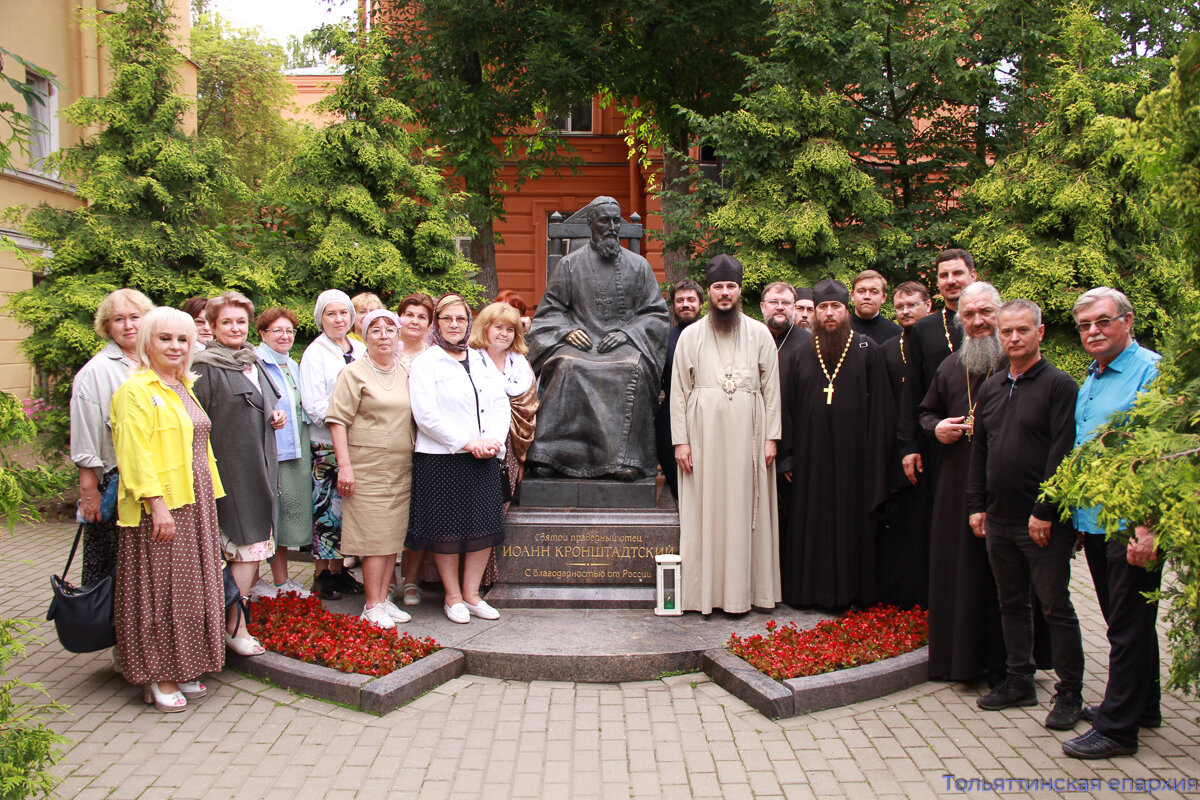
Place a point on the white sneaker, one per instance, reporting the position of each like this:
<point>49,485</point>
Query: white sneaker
<point>262,589</point>
<point>377,615</point>
<point>397,614</point>
<point>291,587</point>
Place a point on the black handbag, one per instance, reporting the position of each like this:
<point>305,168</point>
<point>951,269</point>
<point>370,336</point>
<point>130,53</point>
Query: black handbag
<point>83,615</point>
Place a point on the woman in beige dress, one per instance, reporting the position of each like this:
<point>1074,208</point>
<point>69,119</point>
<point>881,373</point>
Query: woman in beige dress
<point>371,423</point>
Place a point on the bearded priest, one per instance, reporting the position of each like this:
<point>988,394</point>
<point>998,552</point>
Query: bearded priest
<point>842,419</point>
<point>725,426</point>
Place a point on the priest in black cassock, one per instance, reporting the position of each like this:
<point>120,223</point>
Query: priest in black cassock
<point>686,299</point>
<point>929,341</point>
<point>839,411</point>
<point>965,637</point>
<point>777,307</point>
<point>903,551</point>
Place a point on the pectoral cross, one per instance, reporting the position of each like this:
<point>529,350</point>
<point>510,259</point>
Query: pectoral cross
<point>604,301</point>
<point>828,390</point>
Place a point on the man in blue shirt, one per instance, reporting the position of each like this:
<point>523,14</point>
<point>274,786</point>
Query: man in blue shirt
<point>1121,370</point>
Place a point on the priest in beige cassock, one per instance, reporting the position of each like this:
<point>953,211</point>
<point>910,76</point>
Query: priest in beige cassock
<point>725,425</point>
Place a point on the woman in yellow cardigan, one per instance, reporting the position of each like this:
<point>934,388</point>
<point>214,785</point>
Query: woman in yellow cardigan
<point>169,602</point>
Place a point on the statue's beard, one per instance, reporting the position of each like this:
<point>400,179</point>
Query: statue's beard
<point>831,344</point>
<point>725,321</point>
<point>609,247</point>
<point>982,355</point>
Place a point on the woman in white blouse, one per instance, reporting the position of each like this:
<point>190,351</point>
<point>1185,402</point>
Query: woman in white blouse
<point>327,356</point>
<point>462,415</point>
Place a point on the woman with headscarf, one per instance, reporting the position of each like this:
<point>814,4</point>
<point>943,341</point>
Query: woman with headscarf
<point>499,334</point>
<point>293,523</point>
<point>372,428</point>
<point>117,319</point>
<point>237,394</point>
<point>327,356</point>
<point>462,417</point>
<point>168,602</point>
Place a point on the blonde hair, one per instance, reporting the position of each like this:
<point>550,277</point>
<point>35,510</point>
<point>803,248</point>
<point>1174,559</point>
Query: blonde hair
<point>155,321</point>
<point>112,301</point>
<point>364,302</point>
<point>490,315</point>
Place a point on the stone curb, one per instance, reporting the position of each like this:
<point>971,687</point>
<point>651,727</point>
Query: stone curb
<point>372,695</point>
<point>797,696</point>
<point>762,692</point>
<point>766,695</point>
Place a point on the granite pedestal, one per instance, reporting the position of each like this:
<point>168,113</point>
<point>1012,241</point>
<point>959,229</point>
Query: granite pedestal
<point>584,544</point>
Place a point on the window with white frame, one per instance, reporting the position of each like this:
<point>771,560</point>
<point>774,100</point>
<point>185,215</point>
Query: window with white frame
<point>577,120</point>
<point>41,104</point>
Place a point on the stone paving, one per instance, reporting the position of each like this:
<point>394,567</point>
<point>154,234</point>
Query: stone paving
<point>678,737</point>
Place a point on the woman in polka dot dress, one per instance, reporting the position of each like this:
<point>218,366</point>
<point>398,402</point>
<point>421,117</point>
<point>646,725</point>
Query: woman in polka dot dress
<point>169,603</point>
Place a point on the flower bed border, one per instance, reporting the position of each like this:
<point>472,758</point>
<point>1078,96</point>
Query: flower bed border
<point>766,695</point>
<point>372,695</point>
<point>797,696</point>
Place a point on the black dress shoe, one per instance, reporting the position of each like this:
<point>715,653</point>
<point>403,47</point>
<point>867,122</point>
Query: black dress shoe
<point>627,475</point>
<point>1094,744</point>
<point>1144,721</point>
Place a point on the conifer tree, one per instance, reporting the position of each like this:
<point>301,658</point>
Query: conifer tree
<point>1145,465</point>
<point>792,206</point>
<point>149,189</point>
<point>1072,210</point>
<point>362,204</point>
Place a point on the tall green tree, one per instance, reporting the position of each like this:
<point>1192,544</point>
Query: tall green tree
<point>794,206</point>
<point>1072,210</point>
<point>1145,465</point>
<point>940,89</point>
<point>240,96</point>
<point>151,192</point>
<point>479,75</point>
<point>362,204</point>
<point>662,56</point>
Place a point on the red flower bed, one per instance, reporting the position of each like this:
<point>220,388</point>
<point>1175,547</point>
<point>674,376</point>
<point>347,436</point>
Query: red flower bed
<point>851,640</point>
<point>301,628</point>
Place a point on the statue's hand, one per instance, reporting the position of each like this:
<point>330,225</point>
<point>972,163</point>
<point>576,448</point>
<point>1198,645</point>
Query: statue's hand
<point>579,338</point>
<point>612,340</point>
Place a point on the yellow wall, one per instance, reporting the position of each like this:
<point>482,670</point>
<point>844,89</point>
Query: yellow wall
<point>48,34</point>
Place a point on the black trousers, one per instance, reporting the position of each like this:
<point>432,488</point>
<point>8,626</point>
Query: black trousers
<point>1019,566</point>
<point>1133,692</point>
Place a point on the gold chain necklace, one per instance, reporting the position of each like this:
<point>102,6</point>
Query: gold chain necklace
<point>903,357</point>
<point>828,390</point>
<point>946,328</point>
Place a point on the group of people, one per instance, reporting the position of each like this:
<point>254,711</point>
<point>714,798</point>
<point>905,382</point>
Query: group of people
<point>832,458</point>
<point>395,431</point>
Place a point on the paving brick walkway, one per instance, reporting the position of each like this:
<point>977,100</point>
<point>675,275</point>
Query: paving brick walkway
<point>677,737</point>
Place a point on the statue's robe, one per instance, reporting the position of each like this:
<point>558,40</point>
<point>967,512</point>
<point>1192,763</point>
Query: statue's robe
<point>728,523</point>
<point>597,412</point>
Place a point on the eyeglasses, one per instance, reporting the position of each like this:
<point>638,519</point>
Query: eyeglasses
<point>1101,323</point>
<point>778,303</point>
<point>455,320</point>
<point>281,331</point>
<point>908,307</point>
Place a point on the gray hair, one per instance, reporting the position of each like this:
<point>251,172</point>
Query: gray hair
<point>980,288</point>
<point>1021,304</point>
<point>1099,293</point>
<point>597,203</point>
